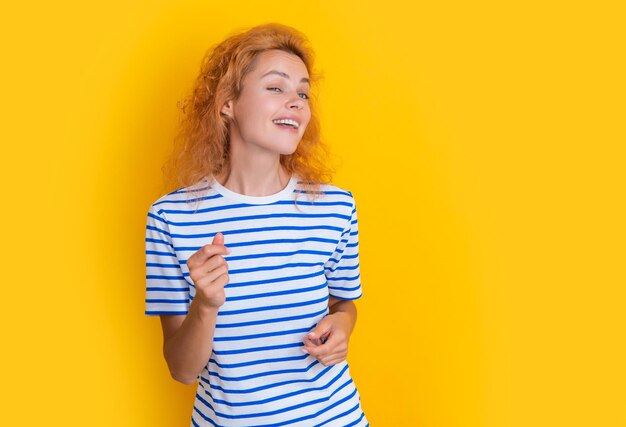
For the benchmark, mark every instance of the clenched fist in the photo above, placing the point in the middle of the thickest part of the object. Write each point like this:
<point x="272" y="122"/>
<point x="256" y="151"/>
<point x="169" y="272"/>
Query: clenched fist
<point x="209" y="272"/>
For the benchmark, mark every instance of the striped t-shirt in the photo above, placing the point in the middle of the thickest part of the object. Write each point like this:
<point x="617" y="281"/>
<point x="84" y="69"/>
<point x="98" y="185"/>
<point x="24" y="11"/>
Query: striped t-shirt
<point x="284" y="263"/>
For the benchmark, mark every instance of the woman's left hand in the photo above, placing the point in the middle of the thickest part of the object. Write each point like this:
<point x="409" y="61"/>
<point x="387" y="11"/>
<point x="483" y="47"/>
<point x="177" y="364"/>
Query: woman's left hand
<point x="328" y="341"/>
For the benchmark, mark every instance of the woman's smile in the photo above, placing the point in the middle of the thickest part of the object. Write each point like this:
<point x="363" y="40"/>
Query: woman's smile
<point x="288" y="125"/>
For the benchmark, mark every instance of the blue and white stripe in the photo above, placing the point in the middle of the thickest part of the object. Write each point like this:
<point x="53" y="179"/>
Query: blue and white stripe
<point x="284" y="264"/>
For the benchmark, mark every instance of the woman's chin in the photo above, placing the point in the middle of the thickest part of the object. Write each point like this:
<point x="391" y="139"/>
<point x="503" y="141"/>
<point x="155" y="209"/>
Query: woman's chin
<point x="286" y="149"/>
<point x="290" y="151"/>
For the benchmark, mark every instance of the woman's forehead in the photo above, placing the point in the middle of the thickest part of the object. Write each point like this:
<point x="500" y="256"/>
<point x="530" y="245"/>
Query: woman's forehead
<point x="283" y="64"/>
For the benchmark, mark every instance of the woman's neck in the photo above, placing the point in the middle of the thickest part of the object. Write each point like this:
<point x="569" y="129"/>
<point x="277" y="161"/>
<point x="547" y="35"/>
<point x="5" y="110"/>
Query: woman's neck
<point x="255" y="182"/>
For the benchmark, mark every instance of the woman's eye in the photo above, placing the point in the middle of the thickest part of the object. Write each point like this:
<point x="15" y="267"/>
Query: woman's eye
<point x="272" y="89"/>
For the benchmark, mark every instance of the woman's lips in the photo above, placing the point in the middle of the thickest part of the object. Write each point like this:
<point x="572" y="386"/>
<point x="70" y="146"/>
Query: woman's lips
<point x="287" y="127"/>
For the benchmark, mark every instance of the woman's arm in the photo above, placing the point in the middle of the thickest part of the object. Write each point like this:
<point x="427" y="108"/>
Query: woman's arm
<point x="328" y="341"/>
<point x="188" y="341"/>
<point x="347" y="307"/>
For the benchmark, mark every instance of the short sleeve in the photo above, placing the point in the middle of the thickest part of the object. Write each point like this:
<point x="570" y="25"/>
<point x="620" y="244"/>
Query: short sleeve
<point x="342" y="269"/>
<point x="167" y="291"/>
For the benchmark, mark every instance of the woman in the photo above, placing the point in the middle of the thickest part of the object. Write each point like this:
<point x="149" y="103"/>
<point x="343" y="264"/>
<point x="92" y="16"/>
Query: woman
<point x="254" y="287"/>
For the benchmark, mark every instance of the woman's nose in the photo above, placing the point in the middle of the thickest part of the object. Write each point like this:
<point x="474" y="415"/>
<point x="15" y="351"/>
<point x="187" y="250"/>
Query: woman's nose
<point x="296" y="102"/>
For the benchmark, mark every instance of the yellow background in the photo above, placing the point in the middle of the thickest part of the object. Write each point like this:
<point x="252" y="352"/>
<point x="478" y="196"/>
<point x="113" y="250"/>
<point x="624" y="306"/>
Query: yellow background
<point x="484" y="144"/>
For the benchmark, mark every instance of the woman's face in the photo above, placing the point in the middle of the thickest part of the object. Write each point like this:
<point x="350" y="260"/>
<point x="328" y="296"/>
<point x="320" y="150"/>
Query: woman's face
<point x="278" y="88"/>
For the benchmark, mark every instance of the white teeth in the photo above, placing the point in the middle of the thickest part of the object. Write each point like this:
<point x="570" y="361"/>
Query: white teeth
<point x="288" y="122"/>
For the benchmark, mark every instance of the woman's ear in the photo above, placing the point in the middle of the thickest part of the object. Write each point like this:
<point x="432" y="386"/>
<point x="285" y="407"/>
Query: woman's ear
<point x="227" y="109"/>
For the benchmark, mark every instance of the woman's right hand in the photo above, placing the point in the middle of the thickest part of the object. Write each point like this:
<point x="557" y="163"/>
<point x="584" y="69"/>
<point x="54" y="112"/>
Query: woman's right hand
<point x="209" y="272"/>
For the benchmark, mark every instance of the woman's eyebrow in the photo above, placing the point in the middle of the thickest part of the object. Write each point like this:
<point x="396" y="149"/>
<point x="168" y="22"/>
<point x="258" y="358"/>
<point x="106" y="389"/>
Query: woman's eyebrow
<point x="285" y="75"/>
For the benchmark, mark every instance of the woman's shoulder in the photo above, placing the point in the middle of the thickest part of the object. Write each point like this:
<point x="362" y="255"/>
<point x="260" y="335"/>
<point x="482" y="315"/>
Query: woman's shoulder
<point x="182" y="196"/>
<point x="331" y="193"/>
<point x="340" y="192"/>
<point x="335" y="189"/>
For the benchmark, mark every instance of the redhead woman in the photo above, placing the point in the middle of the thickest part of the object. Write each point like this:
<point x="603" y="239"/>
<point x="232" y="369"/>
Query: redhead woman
<point x="253" y="261"/>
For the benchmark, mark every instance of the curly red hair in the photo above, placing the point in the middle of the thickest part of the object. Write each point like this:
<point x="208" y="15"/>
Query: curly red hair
<point x="201" y="146"/>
